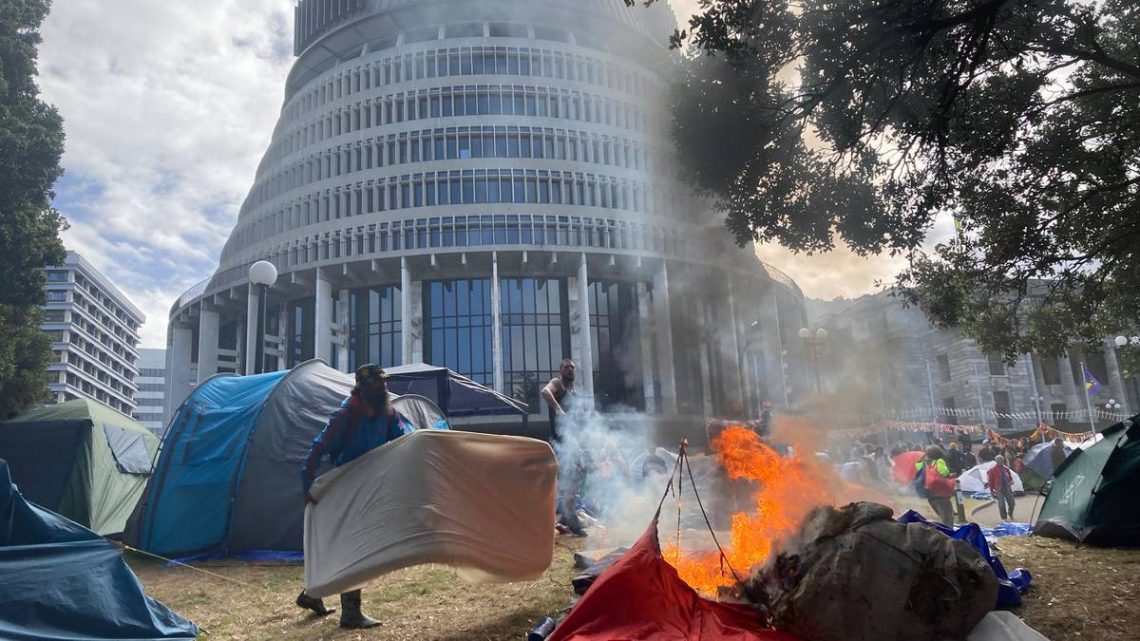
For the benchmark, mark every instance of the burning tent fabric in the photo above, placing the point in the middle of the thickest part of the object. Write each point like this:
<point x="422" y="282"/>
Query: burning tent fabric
<point x="482" y="503"/>
<point x="641" y="598"/>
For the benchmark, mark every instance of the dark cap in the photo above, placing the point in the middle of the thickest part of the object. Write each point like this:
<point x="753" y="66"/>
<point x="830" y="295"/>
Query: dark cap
<point x="370" y="373"/>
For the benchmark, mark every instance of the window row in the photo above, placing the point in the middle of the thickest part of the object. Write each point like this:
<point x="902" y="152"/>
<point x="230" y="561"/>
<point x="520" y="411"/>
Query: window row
<point x="454" y="143"/>
<point x="438" y="189"/>
<point x="106" y="301"/>
<point x="471" y="100"/>
<point x="92" y="391"/>
<point x="535" y="331"/>
<point x="468" y="61"/>
<point x="89" y="367"/>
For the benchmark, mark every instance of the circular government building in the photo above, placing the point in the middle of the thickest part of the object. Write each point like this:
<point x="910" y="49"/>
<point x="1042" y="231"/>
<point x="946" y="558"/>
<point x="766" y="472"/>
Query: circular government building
<point x="491" y="186"/>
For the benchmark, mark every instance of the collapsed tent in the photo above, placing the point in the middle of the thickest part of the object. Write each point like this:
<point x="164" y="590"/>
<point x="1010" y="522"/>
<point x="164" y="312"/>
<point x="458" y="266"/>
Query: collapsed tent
<point x="456" y="396"/>
<point x="640" y="597"/>
<point x="1093" y="497"/>
<point x="61" y="581"/>
<point x="80" y="459"/>
<point x="479" y="502"/>
<point x="973" y="480"/>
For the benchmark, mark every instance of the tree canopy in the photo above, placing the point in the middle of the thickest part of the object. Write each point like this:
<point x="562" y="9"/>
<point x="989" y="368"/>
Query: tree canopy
<point x="31" y="144"/>
<point x="866" y="121"/>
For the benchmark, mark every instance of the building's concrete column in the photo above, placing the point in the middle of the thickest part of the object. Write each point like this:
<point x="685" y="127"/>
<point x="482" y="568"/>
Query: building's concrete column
<point x="663" y="334"/>
<point x="178" y="384"/>
<point x="498" y="375"/>
<point x="645" y="327"/>
<point x="344" y="324"/>
<point x="405" y="312"/>
<point x="1115" y="379"/>
<point x="251" y="311"/>
<point x="577" y="294"/>
<point x="704" y="335"/>
<point x="208" y="323"/>
<point x="732" y="334"/>
<point x="281" y="342"/>
<point x="322" y="318"/>
<point x="1074" y="399"/>
<point x="417" y="321"/>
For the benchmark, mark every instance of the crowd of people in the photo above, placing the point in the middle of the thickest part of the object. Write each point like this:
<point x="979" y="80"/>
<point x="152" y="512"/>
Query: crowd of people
<point x="947" y="457"/>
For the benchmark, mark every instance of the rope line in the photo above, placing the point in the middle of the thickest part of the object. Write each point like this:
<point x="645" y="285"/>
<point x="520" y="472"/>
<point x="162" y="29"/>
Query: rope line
<point x="185" y="565"/>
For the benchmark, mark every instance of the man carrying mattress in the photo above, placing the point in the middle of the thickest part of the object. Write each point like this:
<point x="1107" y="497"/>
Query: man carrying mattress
<point x="365" y="421"/>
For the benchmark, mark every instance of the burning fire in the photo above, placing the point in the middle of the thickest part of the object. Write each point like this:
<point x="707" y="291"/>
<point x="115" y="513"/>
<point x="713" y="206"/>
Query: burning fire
<point x="785" y="491"/>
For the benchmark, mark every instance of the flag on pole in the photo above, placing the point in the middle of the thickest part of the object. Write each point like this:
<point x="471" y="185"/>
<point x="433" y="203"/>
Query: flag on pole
<point x="1092" y="386"/>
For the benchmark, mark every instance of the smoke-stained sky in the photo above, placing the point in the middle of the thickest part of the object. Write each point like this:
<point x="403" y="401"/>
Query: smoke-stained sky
<point x="168" y="107"/>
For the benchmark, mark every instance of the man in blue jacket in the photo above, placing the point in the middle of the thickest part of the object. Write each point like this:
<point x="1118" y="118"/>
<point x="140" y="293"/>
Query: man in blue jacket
<point x="365" y="420"/>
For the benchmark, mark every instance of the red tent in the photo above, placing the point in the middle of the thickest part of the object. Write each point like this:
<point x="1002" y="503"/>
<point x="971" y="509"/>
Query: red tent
<point x="903" y="466"/>
<point x="641" y="598"/>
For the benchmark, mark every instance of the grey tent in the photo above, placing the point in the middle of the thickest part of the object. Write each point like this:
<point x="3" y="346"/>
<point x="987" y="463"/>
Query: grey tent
<point x="456" y="395"/>
<point x="80" y="459"/>
<point x="228" y="479"/>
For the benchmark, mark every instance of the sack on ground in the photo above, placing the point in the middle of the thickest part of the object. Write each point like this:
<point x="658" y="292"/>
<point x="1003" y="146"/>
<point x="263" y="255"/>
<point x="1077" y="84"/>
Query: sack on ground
<point x="855" y="574"/>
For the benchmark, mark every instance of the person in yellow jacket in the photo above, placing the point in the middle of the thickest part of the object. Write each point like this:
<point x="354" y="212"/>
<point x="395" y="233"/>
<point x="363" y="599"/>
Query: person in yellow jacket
<point x="941" y="505"/>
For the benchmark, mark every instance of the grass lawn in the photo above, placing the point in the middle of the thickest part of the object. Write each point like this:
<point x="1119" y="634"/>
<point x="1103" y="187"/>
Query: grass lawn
<point x="419" y="603"/>
<point x="1077" y="592"/>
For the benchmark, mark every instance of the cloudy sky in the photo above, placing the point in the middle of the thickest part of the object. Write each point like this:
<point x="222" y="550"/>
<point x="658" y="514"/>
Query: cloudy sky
<point x="168" y="107"/>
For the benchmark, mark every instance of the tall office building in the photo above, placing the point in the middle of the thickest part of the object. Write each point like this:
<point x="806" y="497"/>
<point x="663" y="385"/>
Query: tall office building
<point x="95" y="334"/>
<point x="490" y="186"/>
<point x="151" y="385"/>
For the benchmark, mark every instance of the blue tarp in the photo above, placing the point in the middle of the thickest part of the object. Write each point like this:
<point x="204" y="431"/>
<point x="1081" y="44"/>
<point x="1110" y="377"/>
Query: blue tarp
<point x="200" y="465"/>
<point x="60" y="581"/>
<point x="1010" y="584"/>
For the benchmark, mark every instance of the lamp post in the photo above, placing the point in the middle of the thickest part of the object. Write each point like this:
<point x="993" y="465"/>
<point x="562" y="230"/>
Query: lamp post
<point x="262" y="274"/>
<point x="1113" y="405"/>
<point x="814" y="342"/>
<point x="1121" y="342"/>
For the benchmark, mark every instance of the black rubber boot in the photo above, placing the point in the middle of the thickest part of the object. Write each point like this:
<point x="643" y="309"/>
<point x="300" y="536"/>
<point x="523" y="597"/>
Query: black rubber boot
<point x="314" y="604"/>
<point x="350" y="615"/>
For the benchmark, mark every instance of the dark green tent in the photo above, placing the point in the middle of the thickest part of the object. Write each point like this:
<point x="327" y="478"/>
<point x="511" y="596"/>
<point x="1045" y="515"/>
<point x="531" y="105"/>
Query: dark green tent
<point x="1093" y="498"/>
<point x="80" y="459"/>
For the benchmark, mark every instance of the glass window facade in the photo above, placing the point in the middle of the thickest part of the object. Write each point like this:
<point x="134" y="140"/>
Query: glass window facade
<point x="616" y="343"/>
<point x="301" y="332"/>
<point x="458" y="317"/>
<point x="536" y="334"/>
<point x="376" y="315"/>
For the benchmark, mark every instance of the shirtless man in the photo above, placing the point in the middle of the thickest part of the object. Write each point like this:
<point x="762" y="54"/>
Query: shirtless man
<point x="555" y="394"/>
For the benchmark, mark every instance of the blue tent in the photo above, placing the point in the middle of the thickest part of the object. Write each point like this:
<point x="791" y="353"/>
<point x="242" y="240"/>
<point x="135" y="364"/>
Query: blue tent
<point x="227" y="479"/>
<point x="60" y="581"/>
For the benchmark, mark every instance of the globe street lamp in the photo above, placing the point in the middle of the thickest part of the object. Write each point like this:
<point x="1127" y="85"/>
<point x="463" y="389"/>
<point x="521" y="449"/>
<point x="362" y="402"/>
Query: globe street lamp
<point x="261" y="274"/>
<point x="814" y="343"/>
<point x="1112" y="405"/>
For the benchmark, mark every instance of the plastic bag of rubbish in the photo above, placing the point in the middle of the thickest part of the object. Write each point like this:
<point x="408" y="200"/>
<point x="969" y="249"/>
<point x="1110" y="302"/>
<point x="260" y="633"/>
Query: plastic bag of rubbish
<point x="854" y="574"/>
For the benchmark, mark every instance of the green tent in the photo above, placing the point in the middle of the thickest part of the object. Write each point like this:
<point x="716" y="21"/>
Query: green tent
<point x="1093" y="498"/>
<point x="80" y="459"/>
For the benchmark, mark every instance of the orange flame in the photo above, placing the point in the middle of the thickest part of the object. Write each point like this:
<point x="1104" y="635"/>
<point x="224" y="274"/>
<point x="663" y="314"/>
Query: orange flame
<point x="785" y="490"/>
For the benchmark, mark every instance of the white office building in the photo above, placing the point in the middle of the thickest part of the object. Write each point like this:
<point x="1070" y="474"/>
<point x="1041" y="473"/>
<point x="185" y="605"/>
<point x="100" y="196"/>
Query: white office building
<point x="490" y="186"/>
<point x="151" y="385"/>
<point x="95" y="333"/>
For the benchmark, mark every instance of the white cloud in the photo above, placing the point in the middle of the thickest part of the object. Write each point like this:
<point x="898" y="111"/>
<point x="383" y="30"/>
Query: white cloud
<point x="167" y="109"/>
